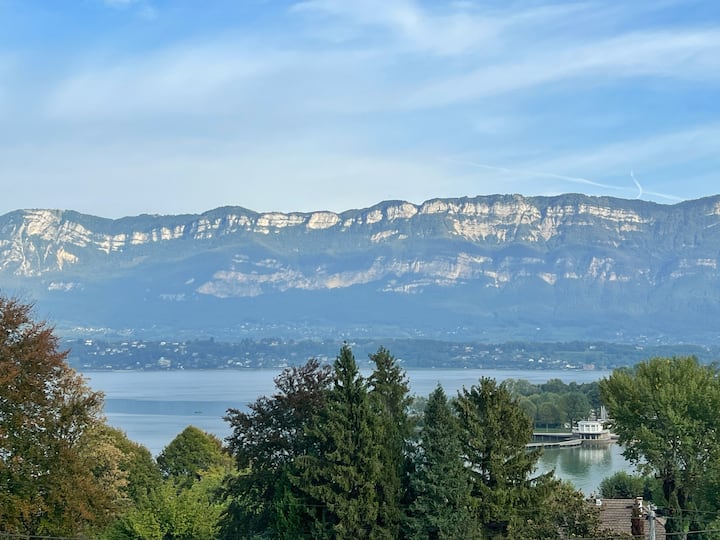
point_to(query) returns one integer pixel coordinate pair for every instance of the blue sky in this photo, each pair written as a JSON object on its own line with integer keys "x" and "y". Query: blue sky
{"x": 122, "y": 107}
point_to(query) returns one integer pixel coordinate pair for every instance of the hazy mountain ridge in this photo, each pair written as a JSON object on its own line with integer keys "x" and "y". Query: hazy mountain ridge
{"x": 555, "y": 262}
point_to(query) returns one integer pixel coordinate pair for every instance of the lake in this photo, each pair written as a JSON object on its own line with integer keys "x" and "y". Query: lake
{"x": 152, "y": 407}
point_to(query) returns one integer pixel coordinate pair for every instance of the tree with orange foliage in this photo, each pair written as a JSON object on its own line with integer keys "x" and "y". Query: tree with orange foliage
{"x": 50, "y": 481}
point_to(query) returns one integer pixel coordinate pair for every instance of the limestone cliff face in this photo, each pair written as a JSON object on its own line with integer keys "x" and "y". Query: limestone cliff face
{"x": 402, "y": 246}
{"x": 499, "y": 254}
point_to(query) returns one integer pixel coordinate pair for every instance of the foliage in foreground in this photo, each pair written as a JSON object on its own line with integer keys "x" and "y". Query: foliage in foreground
{"x": 65, "y": 472}
{"x": 349, "y": 466}
{"x": 665, "y": 414}
{"x": 334, "y": 455}
{"x": 57, "y": 469}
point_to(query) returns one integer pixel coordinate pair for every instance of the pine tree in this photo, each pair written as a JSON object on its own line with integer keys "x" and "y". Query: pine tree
{"x": 340, "y": 476}
{"x": 496, "y": 430}
{"x": 389, "y": 395}
{"x": 441, "y": 481}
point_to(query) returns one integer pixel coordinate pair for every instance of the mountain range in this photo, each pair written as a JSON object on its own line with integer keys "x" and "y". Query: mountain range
{"x": 494, "y": 268}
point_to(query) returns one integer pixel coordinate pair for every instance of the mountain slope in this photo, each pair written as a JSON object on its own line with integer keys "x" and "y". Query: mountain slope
{"x": 496, "y": 267}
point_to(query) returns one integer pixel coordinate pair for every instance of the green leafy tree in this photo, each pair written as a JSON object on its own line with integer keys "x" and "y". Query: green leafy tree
{"x": 561, "y": 512}
{"x": 665, "y": 414}
{"x": 265, "y": 443}
{"x": 176, "y": 511}
{"x": 554, "y": 386}
{"x": 440, "y": 484}
{"x": 340, "y": 476}
{"x": 495, "y": 431}
{"x": 180, "y": 498}
{"x": 528, "y": 407}
{"x": 48, "y": 421}
{"x": 592, "y": 392}
{"x": 622, "y": 485}
{"x": 575, "y": 406}
{"x": 191, "y": 453}
{"x": 390, "y": 400}
{"x": 141, "y": 470}
{"x": 549, "y": 414}
{"x": 521, "y": 387}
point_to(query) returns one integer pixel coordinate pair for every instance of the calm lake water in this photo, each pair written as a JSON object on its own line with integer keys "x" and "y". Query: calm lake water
{"x": 153, "y": 407}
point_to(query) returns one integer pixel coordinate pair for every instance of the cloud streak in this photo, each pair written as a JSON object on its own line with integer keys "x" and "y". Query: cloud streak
{"x": 694, "y": 55}
{"x": 564, "y": 94}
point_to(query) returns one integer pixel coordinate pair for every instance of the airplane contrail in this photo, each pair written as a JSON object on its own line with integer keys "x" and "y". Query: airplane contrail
{"x": 575, "y": 179}
{"x": 640, "y": 188}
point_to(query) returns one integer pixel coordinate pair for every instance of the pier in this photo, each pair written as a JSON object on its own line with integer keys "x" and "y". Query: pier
{"x": 542, "y": 438}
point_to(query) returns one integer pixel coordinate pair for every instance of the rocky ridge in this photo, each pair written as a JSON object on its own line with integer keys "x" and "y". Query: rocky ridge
{"x": 549, "y": 253}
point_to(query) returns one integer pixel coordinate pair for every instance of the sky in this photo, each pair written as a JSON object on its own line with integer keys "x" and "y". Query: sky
{"x": 123, "y": 107}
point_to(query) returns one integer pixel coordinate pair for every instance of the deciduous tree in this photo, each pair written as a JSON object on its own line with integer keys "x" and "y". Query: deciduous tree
{"x": 265, "y": 443}
{"x": 664, "y": 411}
{"x": 191, "y": 453}
{"x": 561, "y": 512}
{"x": 575, "y": 405}
{"x": 47, "y": 419}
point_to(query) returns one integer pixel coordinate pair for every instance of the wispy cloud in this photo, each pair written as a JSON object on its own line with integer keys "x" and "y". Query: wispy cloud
{"x": 680, "y": 155}
{"x": 179, "y": 79}
{"x": 142, "y": 8}
{"x": 542, "y": 97}
{"x": 690, "y": 55}
{"x": 411, "y": 27}
{"x": 630, "y": 153}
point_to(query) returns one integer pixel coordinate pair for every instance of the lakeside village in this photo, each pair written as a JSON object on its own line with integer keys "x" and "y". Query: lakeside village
{"x": 275, "y": 353}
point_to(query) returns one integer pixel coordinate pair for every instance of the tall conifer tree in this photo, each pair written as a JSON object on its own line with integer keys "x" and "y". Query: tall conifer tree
{"x": 441, "y": 481}
{"x": 495, "y": 432}
{"x": 389, "y": 395}
{"x": 341, "y": 474}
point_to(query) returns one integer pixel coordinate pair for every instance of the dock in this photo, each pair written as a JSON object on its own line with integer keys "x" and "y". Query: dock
{"x": 544, "y": 439}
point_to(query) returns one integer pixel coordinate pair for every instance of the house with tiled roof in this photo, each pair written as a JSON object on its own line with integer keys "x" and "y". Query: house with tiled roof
{"x": 631, "y": 517}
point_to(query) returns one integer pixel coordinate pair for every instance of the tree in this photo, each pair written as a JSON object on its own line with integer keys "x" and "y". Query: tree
{"x": 554, "y": 386}
{"x": 528, "y": 407}
{"x": 190, "y": 454}
{"x": 389, "y": 396}
{"x": 440, "y": 484}
{"x": 175, "y": 511}
{"x": 48, "y": 421}
{"x": 138, "y": 518}
{"x": 141, "y": 470}
{"x": 521, "y": 387}
{"x": 664, "y": 411}
{"x": 562, "y": 512}
{"x": 265, "y": 443}
{"x": 575, "y": 405}
{"x": 339, "y": 477}
{"x": 622, "y": 485}
{"x": 495, "y": 431}
{"x": 549, "y": 414}
{"x": 179, "y": 499}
